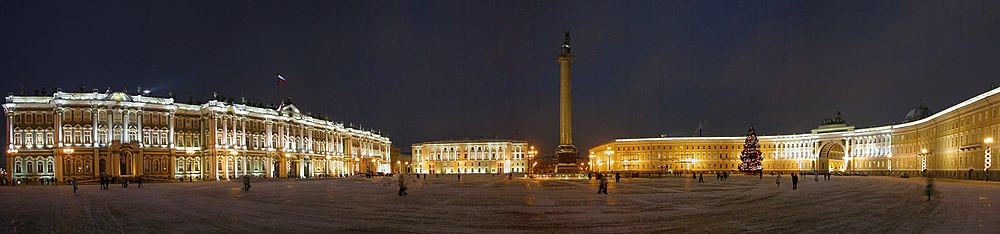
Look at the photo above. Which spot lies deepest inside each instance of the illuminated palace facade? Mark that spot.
(87, 135)
(956, 142)
(471, 157)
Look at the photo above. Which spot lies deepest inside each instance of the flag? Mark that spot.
(281, 79)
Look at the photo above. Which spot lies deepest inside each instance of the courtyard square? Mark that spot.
(488, 203)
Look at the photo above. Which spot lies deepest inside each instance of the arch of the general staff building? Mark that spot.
(948, 143)
(116, 134)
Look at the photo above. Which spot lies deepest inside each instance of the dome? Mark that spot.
(918, 113)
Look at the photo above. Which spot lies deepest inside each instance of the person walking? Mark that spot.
(795, 181)
(246, 183)
(618, 177)
(778, 180)
(140, 181)
(930, 188)
(402, 185)
(701, 178)
(604, 184)
(75, 188)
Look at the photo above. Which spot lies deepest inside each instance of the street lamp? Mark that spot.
(987, 159)
(923, 161)
(609, 152)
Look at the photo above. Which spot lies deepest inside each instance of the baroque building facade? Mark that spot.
(88, 135)
(471, 157)
(955, 142)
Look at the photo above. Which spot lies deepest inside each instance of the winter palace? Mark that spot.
(472, 157)
(87, 135)
(955, 142)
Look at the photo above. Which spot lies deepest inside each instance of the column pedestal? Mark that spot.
(567, 155)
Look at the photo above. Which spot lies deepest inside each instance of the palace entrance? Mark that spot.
(831, 157)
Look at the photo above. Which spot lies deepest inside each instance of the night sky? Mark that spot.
(436, 70)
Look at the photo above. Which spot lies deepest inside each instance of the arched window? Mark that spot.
(180, 166)
(78, 166)
(17, 167)
(30, 167)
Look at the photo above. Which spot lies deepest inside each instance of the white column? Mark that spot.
(125, 114)
(138, 117)
(58, 127)
(243, 133)
(10, 130)
(111, 117)
(170, 120)
(93, 127)
(268, 138)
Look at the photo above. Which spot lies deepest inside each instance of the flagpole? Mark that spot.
(277, 91)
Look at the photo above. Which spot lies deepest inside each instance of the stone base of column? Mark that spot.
(567, 156)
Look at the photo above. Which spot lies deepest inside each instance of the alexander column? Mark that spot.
(566, 152)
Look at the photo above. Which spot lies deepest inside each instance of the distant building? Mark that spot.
(471, 157)
(88, 135)
(951, 143)
(400, 160)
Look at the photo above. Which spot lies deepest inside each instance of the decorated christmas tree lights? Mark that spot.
(751, 157)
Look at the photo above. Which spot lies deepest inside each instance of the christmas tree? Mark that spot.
(751, 154)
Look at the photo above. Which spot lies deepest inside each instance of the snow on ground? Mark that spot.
(483, 203)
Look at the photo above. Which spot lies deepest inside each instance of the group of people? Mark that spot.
(795, 180)
(722, 176)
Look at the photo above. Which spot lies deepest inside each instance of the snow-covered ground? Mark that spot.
(491, 204)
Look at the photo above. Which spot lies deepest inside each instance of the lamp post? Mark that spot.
(609, 152)
(987, 158)
(923, 161)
